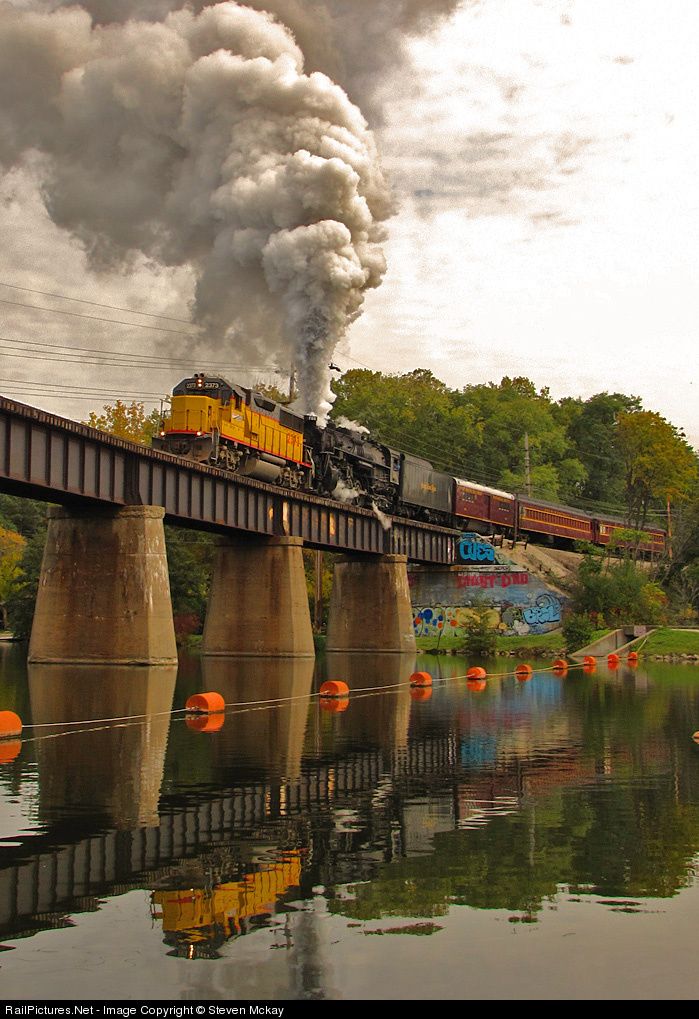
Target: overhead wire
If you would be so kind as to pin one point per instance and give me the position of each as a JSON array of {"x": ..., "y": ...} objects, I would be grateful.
[
  {"x": 71, "y": 354},
  {"x": 95, "y": 304}
]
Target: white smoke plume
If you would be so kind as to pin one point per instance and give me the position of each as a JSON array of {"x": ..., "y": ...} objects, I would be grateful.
[
  {"x": 354, "y": 42},
  {"x": 352, "y": 426},
  {"x": 205, "y": 136}
]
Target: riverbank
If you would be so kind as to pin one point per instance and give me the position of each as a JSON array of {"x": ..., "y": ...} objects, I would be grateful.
[
  {"x": 542, "y": 645},
  {"x": 666, "y": 644}
]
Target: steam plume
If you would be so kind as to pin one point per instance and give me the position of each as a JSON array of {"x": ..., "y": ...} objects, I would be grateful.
[{"x": 196, "y": 137}]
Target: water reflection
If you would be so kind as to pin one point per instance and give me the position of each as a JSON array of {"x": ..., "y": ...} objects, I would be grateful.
[
  {"x": 116, "y": 770},
  {"x": 378, "y": 714},
  {"x": 382, "y": 818},
  {"x": 264, "y": 731},
  {"x": 198, "y": 920}
]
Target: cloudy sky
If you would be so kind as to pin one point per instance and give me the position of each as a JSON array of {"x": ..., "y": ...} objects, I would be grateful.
[{"x": 543, "y": 155}]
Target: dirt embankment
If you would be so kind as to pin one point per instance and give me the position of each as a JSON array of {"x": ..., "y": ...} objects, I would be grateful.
[{"x": 552, "y": 565}]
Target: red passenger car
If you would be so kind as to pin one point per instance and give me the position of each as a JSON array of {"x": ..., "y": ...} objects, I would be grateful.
[
  {"x": 478, "y": 506},
  {"x": 606, "y": 526},
  {"x": 537, "y": 517}
]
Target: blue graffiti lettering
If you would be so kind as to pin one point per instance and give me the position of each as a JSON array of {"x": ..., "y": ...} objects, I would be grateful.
[
  {"x": 546, "y": 610},
  {"x": 476, "y": 551}
]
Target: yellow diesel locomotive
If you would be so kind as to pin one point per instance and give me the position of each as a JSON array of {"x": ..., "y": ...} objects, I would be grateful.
[{"x": 212, "y": 421}]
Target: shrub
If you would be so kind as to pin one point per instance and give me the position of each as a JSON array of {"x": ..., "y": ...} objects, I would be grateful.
[
  {"x": 619, "y": 592},
  {"x": 577, "y": 631},
  {"x": 480, "y": 639}
]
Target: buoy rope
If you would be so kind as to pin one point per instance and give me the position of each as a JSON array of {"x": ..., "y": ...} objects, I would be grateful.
[
  {"x": 242, "y": 707},
  {"x": 92, "y": 721}
]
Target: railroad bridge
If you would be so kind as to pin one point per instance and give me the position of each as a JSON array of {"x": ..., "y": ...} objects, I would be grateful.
[{"x": 104, "y": 593}]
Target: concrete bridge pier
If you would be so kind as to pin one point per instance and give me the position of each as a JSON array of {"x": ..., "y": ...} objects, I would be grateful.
[
  {"x": 370, "y": 606},
  {"x": 104, "y": 590},
  {"x": 258, "y": 604}
]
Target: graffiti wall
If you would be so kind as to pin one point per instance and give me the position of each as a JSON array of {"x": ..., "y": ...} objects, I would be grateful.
[{"x": 444, "y": 599}]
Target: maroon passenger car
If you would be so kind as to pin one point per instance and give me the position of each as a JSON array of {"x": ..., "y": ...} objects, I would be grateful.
[{"x": 478, "y": 506}]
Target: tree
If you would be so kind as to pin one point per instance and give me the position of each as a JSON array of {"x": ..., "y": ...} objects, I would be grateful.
[
  {"x": 592, "y": 429},
  {"x": 658, "y": 463},
  {"x": 28, "y": 519},
  {"x": 508, "y": 412},
  {"x": 127, "y": 422},
  {"x": 617, "y": 592},
  {"x": 21, "y": 597},
  {"x": 189, "y": 558},
  {"x": 413, "y": 412},
  {"x": 12, "y": 547}
]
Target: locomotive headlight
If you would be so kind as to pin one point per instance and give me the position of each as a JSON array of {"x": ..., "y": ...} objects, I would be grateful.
[
  {"x": 198, "y": 433},
  {"x": 162, "y": 435}
]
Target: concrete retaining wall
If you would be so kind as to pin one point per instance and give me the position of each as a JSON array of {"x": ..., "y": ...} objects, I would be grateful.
[{"x": 444, "y": 598}]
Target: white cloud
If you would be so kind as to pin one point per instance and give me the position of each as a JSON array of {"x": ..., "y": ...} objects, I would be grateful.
[{"x": 546, "y": 159}]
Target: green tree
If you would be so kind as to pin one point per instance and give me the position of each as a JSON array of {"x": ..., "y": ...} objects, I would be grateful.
[
  {"x": 413, "y": 412},
  {"x": 21, "y": 596},
  {"x": 508, "y": 412},
  {"x": 189, "y": 558},
  {"x": 592, "y": 429},
  {"x": 659, "y": 465},
  {"x": 617, "y": 592},
  {"x": 12, "y": 547}
]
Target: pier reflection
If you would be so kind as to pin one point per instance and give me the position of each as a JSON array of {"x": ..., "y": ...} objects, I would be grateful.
[
  {"x": 378, "y": 714},
  {"x": 267, "y": 715},
  {"x": 110, "y": 769}
]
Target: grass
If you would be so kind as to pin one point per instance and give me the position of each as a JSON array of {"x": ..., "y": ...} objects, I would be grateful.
[
  {"x": 532, "y": 642},
  {"x": 667, "y": 641}
]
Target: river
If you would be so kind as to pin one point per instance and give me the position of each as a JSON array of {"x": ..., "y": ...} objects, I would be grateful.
[{"x": 507, "y": 840}]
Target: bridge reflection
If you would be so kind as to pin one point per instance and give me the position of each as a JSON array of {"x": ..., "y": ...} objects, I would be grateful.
[{"x": 288, "y": 799}]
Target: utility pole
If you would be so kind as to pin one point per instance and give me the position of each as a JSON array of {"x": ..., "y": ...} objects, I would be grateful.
[
  {"x": 527, "y": 472},
  {"x": 292, "y": 383}
]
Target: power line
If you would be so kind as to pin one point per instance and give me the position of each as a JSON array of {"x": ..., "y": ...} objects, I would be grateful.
[
  {"x": 94, "y": 304},
  {"x": 70, "y": 353},
  {"x": 96, "y": 318}
]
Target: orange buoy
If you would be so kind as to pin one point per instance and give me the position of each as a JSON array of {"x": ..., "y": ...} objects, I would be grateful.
[
  {"x": 560, "y": 665},
  {"x": 476, "y": 672},
  {"x": 9, "y": 749},
  {"x": 476, "y": 685},
  {"x": 334, "y": 704},
  {"x": 612, "y": 661},
  {"x": 589, "y": 669},
  {"x": 695, "y": 737},
  {"x": 10, "y": 725},
  {"x": 334, "y": 688},
  {"x": 523, "y": 671},
  {"x": 421, "y": 679},
  {"x": 206, "y": 723},
  {"x": 205, "y": 703},
  {"x": 632, "y": 656},
  {"x": 590, "y": 661},
  {"x": 420, "y": 693}
]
